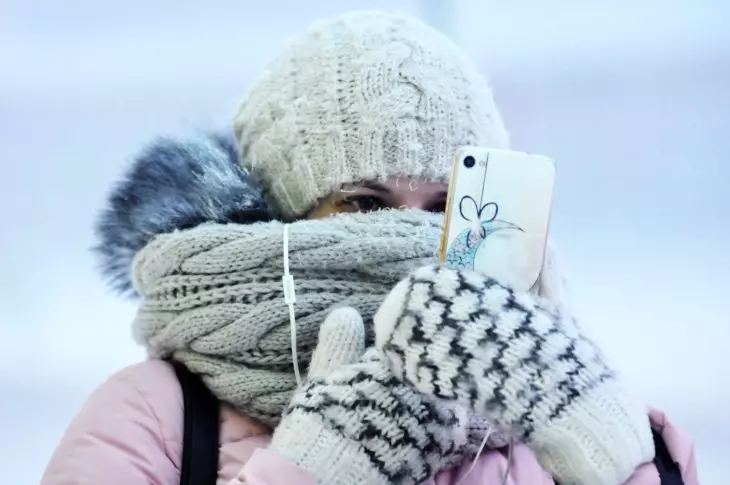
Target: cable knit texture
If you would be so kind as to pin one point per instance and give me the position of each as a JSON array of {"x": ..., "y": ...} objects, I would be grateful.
[
  {"x": 362, "y": 96},
  {"x": 212, "y": 296},
  {"x": 353, "y": 422},
  {"x": 520, "y": 362}
]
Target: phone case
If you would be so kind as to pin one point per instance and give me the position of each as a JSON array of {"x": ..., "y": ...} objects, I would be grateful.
[{"x": 498, "y": 214}]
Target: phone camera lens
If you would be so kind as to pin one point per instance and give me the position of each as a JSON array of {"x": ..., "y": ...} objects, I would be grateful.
[{"x": 469, "y": 161}]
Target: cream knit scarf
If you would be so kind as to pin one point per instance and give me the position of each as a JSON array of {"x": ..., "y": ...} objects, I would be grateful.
[{"x": 212, "y": 296}]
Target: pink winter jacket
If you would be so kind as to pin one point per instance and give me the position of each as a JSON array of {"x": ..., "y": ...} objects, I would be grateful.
[{"x": 130, "y": 432}]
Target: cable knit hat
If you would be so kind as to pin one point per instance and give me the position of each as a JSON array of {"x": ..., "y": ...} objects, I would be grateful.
[{"x": 362, "y": 96}]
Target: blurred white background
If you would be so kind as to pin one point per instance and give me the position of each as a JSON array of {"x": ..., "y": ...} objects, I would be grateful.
[{"x": 631, "y": 97}]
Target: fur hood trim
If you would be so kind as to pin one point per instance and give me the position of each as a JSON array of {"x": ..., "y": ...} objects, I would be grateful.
[{"x": 173, "y": 184}]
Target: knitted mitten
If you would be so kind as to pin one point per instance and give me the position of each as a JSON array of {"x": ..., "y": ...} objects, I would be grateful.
[
  {"x": 353, "y": 422},
  {"x": 522, "y": 364}
]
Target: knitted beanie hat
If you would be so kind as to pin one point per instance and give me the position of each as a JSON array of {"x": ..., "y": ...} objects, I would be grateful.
[{"x": 359, "y": 97}]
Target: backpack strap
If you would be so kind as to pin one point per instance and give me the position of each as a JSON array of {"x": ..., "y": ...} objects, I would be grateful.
[
  {"x": 201, "y": 436},
  {"x": 201, "y": 433},
  {"x": 669, "y": 472}
]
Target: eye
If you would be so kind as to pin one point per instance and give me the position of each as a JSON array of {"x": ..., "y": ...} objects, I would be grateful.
[
  {"x": 249, "y": 216},
  {"x": 438, "y": 206},
  {"x": 362, "y": 203}
]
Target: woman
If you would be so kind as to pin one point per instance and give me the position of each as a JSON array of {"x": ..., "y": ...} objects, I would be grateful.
[{"x": 467, "y": 382}]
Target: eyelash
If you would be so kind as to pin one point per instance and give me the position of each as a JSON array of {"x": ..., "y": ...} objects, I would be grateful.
[{"x": 356, "y": 202}]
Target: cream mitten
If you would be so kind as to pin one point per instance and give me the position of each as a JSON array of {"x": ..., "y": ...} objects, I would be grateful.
[
  {"x": 354, "y": 423},
  {"x": 521, "y": 363}
]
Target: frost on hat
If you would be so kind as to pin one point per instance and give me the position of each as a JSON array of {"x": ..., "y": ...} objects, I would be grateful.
[{"x": 358, "y": 97}]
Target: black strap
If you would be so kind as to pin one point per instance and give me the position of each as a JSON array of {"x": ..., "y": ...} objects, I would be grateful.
[
  {"x": 669, "y": 472},
  {"x": 201, "y": 430}
]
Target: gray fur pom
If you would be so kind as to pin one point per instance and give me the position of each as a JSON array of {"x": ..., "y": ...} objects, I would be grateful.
[{"x": 173, "y": 184}]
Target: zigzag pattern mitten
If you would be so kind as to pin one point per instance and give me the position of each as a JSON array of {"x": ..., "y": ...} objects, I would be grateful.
[
  {"x": 354, "y": 423},
  {"x": 522, "y": 364}
]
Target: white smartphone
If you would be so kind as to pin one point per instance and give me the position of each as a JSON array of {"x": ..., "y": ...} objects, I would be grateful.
[{"x": 498, "y": 214}]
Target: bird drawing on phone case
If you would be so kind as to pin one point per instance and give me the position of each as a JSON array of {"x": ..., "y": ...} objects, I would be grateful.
[{"x": 463, "y": 249}]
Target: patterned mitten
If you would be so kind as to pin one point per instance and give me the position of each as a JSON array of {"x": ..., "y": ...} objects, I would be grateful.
[
  {"x": 354, "y": 423},
  {"x": 522, "y": 364}
]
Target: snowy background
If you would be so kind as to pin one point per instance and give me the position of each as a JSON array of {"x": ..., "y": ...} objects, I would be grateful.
[{"x": 631, "y": 97}]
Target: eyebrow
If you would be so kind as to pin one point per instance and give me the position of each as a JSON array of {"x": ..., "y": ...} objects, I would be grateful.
[{"x": 376, "y": 186}]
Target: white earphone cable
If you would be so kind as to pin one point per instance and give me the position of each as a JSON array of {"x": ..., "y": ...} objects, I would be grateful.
[
  {"x": 505, "y": 477},
  {"x": 474, "y": 462},
  {"x": 290, "y": 299}
]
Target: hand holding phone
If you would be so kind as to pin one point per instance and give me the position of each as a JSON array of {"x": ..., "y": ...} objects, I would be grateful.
[{"x": 498, "y": 214}]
